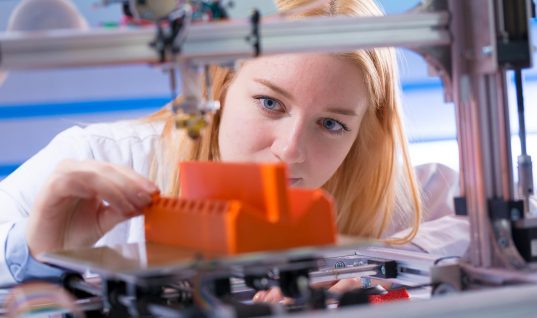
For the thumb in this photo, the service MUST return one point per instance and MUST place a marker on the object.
(108, 217)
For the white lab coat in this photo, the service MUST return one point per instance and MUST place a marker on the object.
(129, 144)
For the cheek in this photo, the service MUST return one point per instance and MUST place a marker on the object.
(327, 158)
(241, 133)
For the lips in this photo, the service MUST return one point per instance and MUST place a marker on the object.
(294, 181)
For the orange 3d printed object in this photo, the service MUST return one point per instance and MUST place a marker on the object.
(230, 208)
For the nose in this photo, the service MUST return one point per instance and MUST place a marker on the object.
(289, 144)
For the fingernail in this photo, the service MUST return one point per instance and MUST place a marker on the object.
(143, 199)
(151, 187)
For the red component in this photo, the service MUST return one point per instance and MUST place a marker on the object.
(395, 294)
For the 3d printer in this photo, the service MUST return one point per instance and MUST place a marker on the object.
(469, 44)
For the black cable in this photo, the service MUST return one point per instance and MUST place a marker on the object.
(438, 260)
(520, 111)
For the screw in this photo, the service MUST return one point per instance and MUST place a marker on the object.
(503, 242)
(340, 264)
(486, 50)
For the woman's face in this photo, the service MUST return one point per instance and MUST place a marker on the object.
(302, 109)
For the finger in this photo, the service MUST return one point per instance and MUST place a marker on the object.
(325, 284)
(120, 189)
(136, 189)
(116, 185)
(93, 225)
(101, 219)
(259, 296)
(145, 184)
(107, 218)
(344, 285)
(106, 188)
(287, 301)
(274, 295)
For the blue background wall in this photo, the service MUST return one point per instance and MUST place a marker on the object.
(36, 105)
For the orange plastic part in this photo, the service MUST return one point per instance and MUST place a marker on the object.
(230, 208)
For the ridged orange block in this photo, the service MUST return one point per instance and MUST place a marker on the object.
(230, 208)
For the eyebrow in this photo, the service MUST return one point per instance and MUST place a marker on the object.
(275, 88)
(342, 111)
(286, 94)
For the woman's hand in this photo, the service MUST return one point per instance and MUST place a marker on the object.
(81, 201)
(274, 295)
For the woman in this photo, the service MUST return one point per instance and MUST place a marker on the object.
(334, 119)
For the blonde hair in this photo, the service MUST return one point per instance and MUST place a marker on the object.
(375, 186)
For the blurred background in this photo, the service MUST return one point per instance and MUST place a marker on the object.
(36, 105)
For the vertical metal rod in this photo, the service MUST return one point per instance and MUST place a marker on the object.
(173, 82)
(504, 139)
(525, 169)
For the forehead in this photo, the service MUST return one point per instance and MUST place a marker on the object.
(313, 74)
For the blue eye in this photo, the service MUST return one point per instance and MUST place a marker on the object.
(333, 126)
(270, 104)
